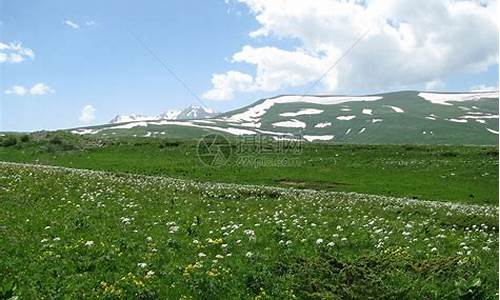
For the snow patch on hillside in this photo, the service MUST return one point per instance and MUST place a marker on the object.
(293, 123)
(345, 118)
(457, 120)
(129, 125)
(323, 125)
(396, 109)
(204, 122)
(254, 113)
(367, 111)
(444, 99)
(275, 133)
(250, 124)
(311, 138)
(492, 131)
(85, 131)
(307, 111)
(230, 130)
(480, 117)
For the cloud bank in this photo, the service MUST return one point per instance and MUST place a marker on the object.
(409, 42)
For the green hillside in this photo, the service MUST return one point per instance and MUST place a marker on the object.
(394, 118)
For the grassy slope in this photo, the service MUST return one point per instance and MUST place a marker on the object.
(464, 174)
(399, 128)
(82, 235)
(396, 128)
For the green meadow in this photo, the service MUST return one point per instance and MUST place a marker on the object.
(467, 174)
(85, 218)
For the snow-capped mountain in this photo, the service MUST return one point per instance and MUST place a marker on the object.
(128, 118)
(196, 112)
(170, 114)
(190, 112)
(405, 117)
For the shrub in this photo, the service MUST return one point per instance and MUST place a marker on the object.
(25, 138)
(56, 140)
(9, 141)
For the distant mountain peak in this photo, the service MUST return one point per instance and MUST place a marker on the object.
(129, 118)
(190, 112)
(196, 112)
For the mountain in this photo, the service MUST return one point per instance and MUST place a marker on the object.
(190, 112)
(128, 118)
(196, 112)
(170, 114)
(409, 117)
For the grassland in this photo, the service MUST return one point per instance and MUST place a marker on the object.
(139, 218)
(74, 234)
(467, 174)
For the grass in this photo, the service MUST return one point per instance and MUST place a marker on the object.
(467, 174)
(74, 234)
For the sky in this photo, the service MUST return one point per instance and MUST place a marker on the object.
(66, 64)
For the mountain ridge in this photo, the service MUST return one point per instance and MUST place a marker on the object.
(189, 112)
(411, 117)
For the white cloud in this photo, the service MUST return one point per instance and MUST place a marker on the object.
(87, 114)
(90, 23)
(225, 84)
(434, 85)
(40, 89)
(37, 89)
(276, 68)
(483, 88)
(72, 24)
(17, 90)
(14, 52)
(409, 42)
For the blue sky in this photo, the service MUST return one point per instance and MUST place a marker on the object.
(85, 54)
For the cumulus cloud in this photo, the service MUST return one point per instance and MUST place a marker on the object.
(87, 115)
(225, 84)
(409, 42)
(14, 52)
(37, 89)
(72, 24)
